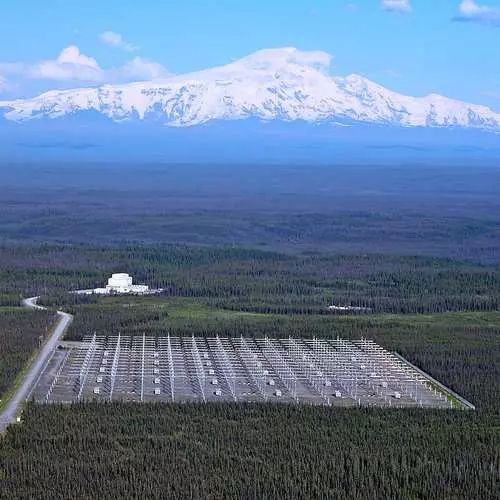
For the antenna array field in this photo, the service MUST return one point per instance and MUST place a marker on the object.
(182, 369)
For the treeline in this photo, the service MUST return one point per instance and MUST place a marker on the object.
(253, 280)
(21, 333)
(248, 451)
(113, 318)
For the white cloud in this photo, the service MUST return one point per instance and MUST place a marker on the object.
(72, 66)
(400, 6)
(12, 68)
(139, 68)
(6, 85)
(3, 83)
(470, 11)
(116, 40)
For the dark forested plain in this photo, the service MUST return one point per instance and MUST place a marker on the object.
(248, 451)
(21, 332)
(261, 251)
(409, 210)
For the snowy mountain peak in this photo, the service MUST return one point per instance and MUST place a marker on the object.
(283, 59)
(272, 84)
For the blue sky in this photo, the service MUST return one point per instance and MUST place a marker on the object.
(415, 47)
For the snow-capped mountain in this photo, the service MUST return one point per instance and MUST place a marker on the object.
(274, 84)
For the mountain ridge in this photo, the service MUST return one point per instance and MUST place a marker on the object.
(272, 84)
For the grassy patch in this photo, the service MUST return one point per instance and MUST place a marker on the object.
(156, 313)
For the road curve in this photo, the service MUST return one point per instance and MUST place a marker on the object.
(9, 413)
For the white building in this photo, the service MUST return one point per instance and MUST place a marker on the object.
(122, 283)
(119, 283)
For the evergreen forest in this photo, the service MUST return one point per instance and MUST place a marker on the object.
(409, 256)
(439, 313)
